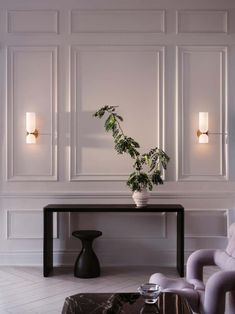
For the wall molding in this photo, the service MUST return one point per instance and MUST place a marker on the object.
(11, 156)
(9, 228)
(118, 195)
(162, 216)
(75, 174)
(203, 16)
(181, 174)
(66, 258)
(214, 216)
(53, 16)
(108, 21)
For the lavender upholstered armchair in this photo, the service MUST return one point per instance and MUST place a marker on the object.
(209, 298)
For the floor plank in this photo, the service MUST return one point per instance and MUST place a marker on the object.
(23, 290)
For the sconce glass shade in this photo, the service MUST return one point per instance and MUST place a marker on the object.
(203, 139)
(30, 122)
(31, 131)
(203, 122)
(203, 128)
(30, 139)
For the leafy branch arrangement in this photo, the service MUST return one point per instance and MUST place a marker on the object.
(155, 160)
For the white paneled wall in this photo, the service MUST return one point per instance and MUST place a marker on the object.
(202, 21)
(32, 81)
(162, 62)
(108, 21)
(202, 86)
(32, 21)
(102, 70)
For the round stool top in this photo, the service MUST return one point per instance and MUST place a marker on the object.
(86, 234)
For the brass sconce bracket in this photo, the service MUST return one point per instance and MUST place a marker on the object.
(213, 133)
(200, 133)
(35, 133)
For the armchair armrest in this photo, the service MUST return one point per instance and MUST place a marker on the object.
(197, 260)
(216, 288)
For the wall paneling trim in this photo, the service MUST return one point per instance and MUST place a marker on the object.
(202, 21)
(18, 226)
(103, 70)
(202, 86)
(30, 21)
(32, 86)
(108, 21)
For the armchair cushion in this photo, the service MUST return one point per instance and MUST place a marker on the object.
(171, 283)
(198, 284)
(178, 286)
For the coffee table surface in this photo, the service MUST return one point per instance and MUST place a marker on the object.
(124, 303)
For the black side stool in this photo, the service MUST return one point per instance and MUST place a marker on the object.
(87, 264)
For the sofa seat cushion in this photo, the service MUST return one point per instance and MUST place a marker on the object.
(165, 282)
(198, 284)
(179, 286)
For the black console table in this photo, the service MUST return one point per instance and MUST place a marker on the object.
(104, 208)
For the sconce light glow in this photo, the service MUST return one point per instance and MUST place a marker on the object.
(203, 128)
(30, 122)
(30, 139)
(203, 139)
(203, 122)
(32, 132)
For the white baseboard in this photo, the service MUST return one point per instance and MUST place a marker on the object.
(35, 258)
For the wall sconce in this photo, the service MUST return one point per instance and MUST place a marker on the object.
(32, 132)
(202, 132)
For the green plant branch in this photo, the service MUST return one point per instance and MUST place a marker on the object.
(156, 159)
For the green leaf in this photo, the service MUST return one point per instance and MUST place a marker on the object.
(110, 122)
(156, 178)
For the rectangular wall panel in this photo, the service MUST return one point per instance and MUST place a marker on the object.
(32, 86)
(202, 79)
(128, 77)
(118, 225)
(205, 21)
(111, 21)
(203, 223)
(32, 21)
(27, 224)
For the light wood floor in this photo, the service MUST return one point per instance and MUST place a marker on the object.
(23, 290)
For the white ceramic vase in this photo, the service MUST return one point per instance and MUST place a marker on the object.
(141, 197)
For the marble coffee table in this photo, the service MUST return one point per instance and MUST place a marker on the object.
(124, 303)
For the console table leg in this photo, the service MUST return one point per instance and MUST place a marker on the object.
(180, 243)
(47, 243)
